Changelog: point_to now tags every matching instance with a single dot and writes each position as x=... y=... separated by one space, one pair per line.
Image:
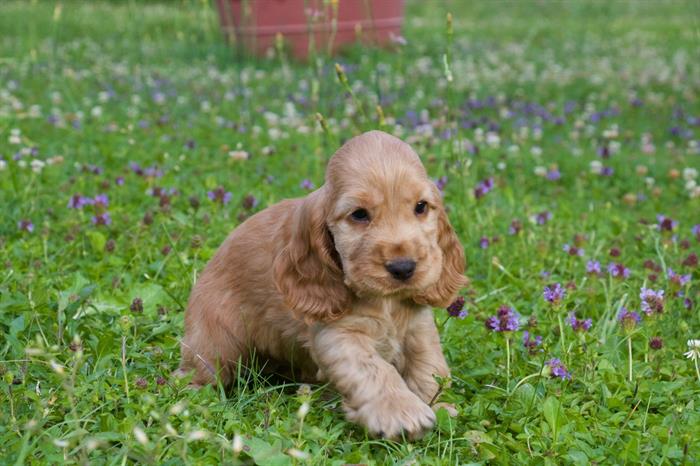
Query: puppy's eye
x=360 y=215
x=421 y=208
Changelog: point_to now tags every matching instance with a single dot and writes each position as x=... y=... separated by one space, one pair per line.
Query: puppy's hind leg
x=211 y=351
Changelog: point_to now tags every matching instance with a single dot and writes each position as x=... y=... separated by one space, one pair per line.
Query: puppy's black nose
x=401 y=269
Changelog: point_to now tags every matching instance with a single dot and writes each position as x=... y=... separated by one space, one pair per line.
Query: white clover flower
x=536 y=151
x=37 y=165
x=3 y=165
x=15 y=137
x=238 y=155
x=596 y=167
x=689 y=174
x=540 y=170
x=96 y=111
x=694 y=350
x=493 y=139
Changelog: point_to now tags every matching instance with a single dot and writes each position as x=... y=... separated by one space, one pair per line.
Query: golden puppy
x=338 y=286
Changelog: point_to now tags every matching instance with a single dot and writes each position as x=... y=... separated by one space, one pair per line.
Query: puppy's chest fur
x=393 y=323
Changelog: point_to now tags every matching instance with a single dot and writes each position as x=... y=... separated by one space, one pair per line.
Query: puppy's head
x=376 y=228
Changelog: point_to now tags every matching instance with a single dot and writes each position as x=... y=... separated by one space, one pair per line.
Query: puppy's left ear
x=452 y=278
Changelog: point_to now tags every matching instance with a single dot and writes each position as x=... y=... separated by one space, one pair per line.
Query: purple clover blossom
x=136 y=168
x=220 y=195
x=554 y=293
x=78 y=201
x=553 y=174
x=696 y=231
x=652 y=301
x=676 y=278
x=558 y=369
x=593 y=267
x=515 y=227
x=628 y=319
x=530 y=343
x=579 y=325
x=607 y=171
x=543 y=217
x=483 y=188
x=101 y=219
x=484 y=242
x=456 y=309
x=25 y=225
x=441 y=183
x=307 y=184
x=666 y=223
x=119 y=181
x=101 y=201
x=618 y=270
x=153 y=172
x=506 y=320
x=573 y=250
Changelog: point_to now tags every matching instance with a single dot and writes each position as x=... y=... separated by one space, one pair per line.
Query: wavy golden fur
x=337 y=286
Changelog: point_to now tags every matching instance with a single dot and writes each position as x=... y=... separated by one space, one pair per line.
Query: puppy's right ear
x=307 y=272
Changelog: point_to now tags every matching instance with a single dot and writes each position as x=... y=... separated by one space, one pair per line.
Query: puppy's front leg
x=374 y=393
x=424 y=358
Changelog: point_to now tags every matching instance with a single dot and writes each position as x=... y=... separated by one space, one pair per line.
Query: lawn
x=565 y=137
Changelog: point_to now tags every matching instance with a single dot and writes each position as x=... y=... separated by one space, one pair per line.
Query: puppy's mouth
x=385 y=285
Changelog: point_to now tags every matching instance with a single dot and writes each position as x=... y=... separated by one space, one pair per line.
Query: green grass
x=86 y=379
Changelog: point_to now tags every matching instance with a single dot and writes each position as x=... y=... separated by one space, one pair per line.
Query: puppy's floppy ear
x=452 y=278
x=307 y=272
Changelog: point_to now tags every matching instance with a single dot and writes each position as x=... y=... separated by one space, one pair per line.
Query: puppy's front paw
x=392 y=415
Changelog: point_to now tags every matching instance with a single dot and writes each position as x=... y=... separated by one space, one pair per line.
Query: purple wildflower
x=483 y=188
x=101 y=201
x=25 y=225
x=456 y=309
x=77 y=201
x=441 y=183
x=688 y=303
x=515 y=227
x=530 y=343
x=628 y=319
x=676 y=278
x=119 y=180
x=554 y=293
x=656 y=343
x=553 y=174
x=579 y=325
x=573 y=250
x=136 y=168
x=220 y=195
x=543 y=217
x=618 y=270
x=666 y=223
x=307 y=184
x=558 y=369
x=506 y=320
x=606 y=171
x=593 y=267
x=696 y=231
x=652 y=301
x=484 y=242
x=153 y=172
x=102 y=219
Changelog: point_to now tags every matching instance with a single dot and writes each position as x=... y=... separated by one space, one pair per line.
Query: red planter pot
x=255 y=24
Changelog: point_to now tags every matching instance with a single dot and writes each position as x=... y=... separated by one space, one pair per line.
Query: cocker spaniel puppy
x=338 y=286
